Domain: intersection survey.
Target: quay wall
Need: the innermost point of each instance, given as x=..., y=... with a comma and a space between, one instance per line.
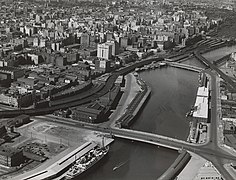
x=135, y=106
x=176, y=167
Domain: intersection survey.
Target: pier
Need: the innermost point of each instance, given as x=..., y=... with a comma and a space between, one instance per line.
x=57, y=168
x=134, y=107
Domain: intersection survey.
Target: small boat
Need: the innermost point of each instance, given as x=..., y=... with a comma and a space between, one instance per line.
x=187, y=114
x=119, y=165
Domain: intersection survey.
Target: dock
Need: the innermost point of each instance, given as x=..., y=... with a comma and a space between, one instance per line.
x=55, y=170
x=135, y=106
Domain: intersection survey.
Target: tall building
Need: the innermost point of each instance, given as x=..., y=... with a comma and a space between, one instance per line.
x=85, y=40
x=115, y=46
x=102, y=65
x=123, y=42
x=36, y=42
x=104, y=51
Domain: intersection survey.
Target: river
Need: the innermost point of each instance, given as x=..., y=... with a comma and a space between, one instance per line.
x=173, y=93
x=136, y=161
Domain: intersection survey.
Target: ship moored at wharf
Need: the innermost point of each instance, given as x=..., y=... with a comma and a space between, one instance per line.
x=85, y=162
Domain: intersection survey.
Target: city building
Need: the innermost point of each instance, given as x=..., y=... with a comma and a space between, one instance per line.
x=87, y=114
x=201, y=109
x=229, y=125
x=12, y=71
x=104, y=51
x=208, y=172
x=203, y=91
x=115, y=47
x=11, y=157
x=102, y=65
x=20, y=120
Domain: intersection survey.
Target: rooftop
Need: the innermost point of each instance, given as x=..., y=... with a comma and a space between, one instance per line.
x=208, y=171
x=201, y=105
x=8, y=151
x=87, y=110
x=8, y=68
x=203, y=91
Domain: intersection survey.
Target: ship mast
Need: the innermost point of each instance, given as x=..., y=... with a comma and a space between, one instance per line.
x=103, y=141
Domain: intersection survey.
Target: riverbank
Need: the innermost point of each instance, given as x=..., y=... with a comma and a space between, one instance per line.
x=135, y=95
x=130, y=90
x=135, y=106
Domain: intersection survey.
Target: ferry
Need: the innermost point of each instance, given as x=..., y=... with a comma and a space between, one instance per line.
x=86, y=161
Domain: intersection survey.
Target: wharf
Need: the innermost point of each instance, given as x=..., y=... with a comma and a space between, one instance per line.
x=141, y=103
x=59, y=167
x=135, y=106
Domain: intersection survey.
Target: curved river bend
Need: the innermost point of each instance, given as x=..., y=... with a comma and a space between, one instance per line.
x=173, y=93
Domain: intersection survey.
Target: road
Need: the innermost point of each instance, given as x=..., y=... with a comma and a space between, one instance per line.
x=213, y=144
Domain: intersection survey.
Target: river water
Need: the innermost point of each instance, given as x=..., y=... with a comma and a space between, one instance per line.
x=173, y=93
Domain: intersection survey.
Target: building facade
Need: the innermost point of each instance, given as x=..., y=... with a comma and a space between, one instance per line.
x=104, y=51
